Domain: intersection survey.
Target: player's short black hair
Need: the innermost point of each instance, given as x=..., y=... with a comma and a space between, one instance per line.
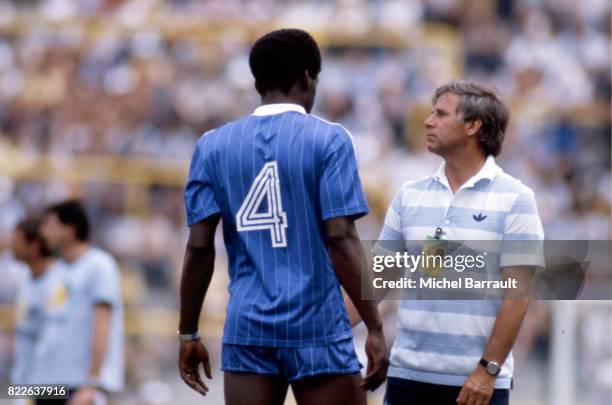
x=30, y=227
x=279, y=59
x=73, y=213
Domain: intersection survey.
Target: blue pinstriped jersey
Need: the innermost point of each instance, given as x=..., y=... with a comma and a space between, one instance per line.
x=274, y=177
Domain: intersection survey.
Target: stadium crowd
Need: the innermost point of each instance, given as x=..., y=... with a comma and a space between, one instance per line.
x=104, y=77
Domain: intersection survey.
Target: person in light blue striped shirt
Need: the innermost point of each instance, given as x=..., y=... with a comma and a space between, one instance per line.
x=286, y=185
x=35, y=295
x=449, y=352
x=81, y=344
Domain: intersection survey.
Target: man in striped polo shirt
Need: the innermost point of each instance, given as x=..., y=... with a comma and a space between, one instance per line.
x=449, y=352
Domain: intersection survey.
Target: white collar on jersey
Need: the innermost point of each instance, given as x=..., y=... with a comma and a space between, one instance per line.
x=488, y=171
x=272, y=109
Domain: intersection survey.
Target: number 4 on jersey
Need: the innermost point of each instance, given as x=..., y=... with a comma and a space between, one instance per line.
x=249, y=218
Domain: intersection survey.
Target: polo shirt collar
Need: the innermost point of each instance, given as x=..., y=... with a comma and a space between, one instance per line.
x=272, y=109
x=488, y=171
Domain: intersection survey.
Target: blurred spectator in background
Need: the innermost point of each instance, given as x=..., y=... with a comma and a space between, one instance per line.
x=12, y=272
x=37, y=296
x=81, y=345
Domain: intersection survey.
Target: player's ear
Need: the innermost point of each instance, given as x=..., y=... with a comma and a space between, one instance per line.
x=259, y=89
x=472, y=127
x=303, y=81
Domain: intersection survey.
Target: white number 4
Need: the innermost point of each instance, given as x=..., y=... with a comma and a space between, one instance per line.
x=266, y=185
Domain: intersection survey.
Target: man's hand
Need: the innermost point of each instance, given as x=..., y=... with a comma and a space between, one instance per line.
x=191, y=354
x=84, y=396
x=198, y=268
x=478, y=388
x=378, y=361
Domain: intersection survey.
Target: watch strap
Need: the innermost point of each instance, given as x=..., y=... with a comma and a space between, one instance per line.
x=189, y=337
x=486, y=363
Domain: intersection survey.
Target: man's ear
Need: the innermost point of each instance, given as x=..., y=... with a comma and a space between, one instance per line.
x=472, y=127
x=259, y=89
x=303, y=81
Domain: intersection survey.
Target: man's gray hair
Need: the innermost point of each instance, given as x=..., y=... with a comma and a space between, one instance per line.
x=480, y=102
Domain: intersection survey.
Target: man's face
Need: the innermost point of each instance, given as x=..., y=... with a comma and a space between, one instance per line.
x=55, y=234
x=20, y=246
x=445, y=133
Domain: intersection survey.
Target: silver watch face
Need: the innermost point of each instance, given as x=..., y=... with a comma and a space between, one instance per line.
x=492, y=368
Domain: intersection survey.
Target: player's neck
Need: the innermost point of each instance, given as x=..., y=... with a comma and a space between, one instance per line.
x=461, y=167
x=74, y=250
x=278, y=97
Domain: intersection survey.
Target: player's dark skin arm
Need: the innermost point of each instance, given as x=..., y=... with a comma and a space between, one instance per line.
x=349, y=260
x=390, y=274
x=198, y=267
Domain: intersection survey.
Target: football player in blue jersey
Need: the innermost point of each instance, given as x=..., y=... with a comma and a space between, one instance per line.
x=286, y=185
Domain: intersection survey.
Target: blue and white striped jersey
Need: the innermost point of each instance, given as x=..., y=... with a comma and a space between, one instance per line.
x=441, y=341
x=274, y=177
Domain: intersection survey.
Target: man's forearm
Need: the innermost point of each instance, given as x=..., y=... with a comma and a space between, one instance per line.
x=353, y=314
x=197, y=272
x=505, y=330
x=348, y=259
x=100, y=334
x=510, y=314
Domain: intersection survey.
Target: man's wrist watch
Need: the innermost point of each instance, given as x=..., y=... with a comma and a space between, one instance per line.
x=492, y=367
x=189, y=337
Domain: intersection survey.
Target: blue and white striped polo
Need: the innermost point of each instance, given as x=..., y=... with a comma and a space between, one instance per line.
x=441, y=342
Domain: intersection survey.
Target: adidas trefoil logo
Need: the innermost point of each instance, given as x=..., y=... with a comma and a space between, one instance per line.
x=479, y=217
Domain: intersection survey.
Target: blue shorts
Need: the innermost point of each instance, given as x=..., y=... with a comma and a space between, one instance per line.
x=292, y=363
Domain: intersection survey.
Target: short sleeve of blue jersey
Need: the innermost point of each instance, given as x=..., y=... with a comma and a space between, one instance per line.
x=199, y=193
x=340, y=187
